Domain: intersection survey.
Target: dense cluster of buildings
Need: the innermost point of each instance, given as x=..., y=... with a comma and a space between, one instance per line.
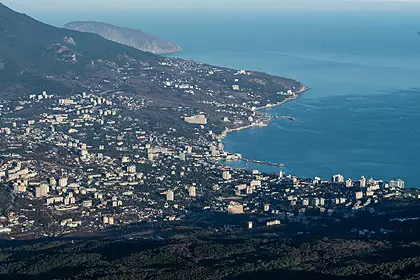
x=84, y=163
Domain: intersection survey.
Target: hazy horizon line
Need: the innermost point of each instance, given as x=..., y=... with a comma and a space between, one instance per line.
x=85, y=6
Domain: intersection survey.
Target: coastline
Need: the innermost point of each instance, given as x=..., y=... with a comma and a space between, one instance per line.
x=225, y=133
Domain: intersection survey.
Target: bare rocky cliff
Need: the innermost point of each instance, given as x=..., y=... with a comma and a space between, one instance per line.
x=126, y=36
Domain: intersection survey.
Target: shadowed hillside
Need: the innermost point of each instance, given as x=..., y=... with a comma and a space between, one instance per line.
x=126, y=36
x=34, y=55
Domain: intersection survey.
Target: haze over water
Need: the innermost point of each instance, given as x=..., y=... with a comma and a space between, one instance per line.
x=362, y=114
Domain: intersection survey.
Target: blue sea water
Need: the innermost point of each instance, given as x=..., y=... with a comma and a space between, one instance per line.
x=361, y=115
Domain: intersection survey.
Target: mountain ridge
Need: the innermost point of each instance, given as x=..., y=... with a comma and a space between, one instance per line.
x=32, y=51
x=126, y=36
x=36, y=57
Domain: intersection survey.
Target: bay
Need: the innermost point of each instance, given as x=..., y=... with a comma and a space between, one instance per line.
x=361, y=115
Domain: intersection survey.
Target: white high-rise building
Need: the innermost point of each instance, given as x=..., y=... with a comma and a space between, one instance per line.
x=358, y=195
x=397, y=184
x=131, y=169
x=226, y=175
x=42, y=190
x=338, y=178
x=362, y=182
x=62, y=182
x=349, y=183
x=249, y=190
x=281, y=174
x=170, y=195
x=53, y=181
x=192, y=191
x=189, y=149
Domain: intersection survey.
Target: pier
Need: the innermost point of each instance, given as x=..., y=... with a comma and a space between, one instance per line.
x=281, y=165
x=285, y=117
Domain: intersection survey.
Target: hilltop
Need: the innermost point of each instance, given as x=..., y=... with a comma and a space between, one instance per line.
x=126, y=36
x=36, y=56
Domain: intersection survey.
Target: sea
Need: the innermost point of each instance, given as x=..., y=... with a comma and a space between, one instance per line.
x=361, y=116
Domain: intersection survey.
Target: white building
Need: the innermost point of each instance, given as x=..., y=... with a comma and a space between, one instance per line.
x=397, y=184
x=226, y=175
x=338, y=178
x=131, y=169
x=250, y=225
x=192, y=191
x=197, y=119
x=170, y=195
x=42, y=190
x=362, y=182
x=87, y=203
x=235, y=208
x=62, y=182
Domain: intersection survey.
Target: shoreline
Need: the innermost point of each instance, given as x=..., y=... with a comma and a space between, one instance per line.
x=225, y=133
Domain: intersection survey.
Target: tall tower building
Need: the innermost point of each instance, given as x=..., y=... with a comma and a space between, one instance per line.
x=397, y=184
x=226, y=175
x=170, y=195
x=192, y=191
x=62, y=182
x=362, y=182
x=131, y=169
x=338, y=178
x=53, y=181
x=189, y=149
x=42, y=190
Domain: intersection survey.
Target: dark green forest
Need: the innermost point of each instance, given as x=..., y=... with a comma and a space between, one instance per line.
x=211, y=259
